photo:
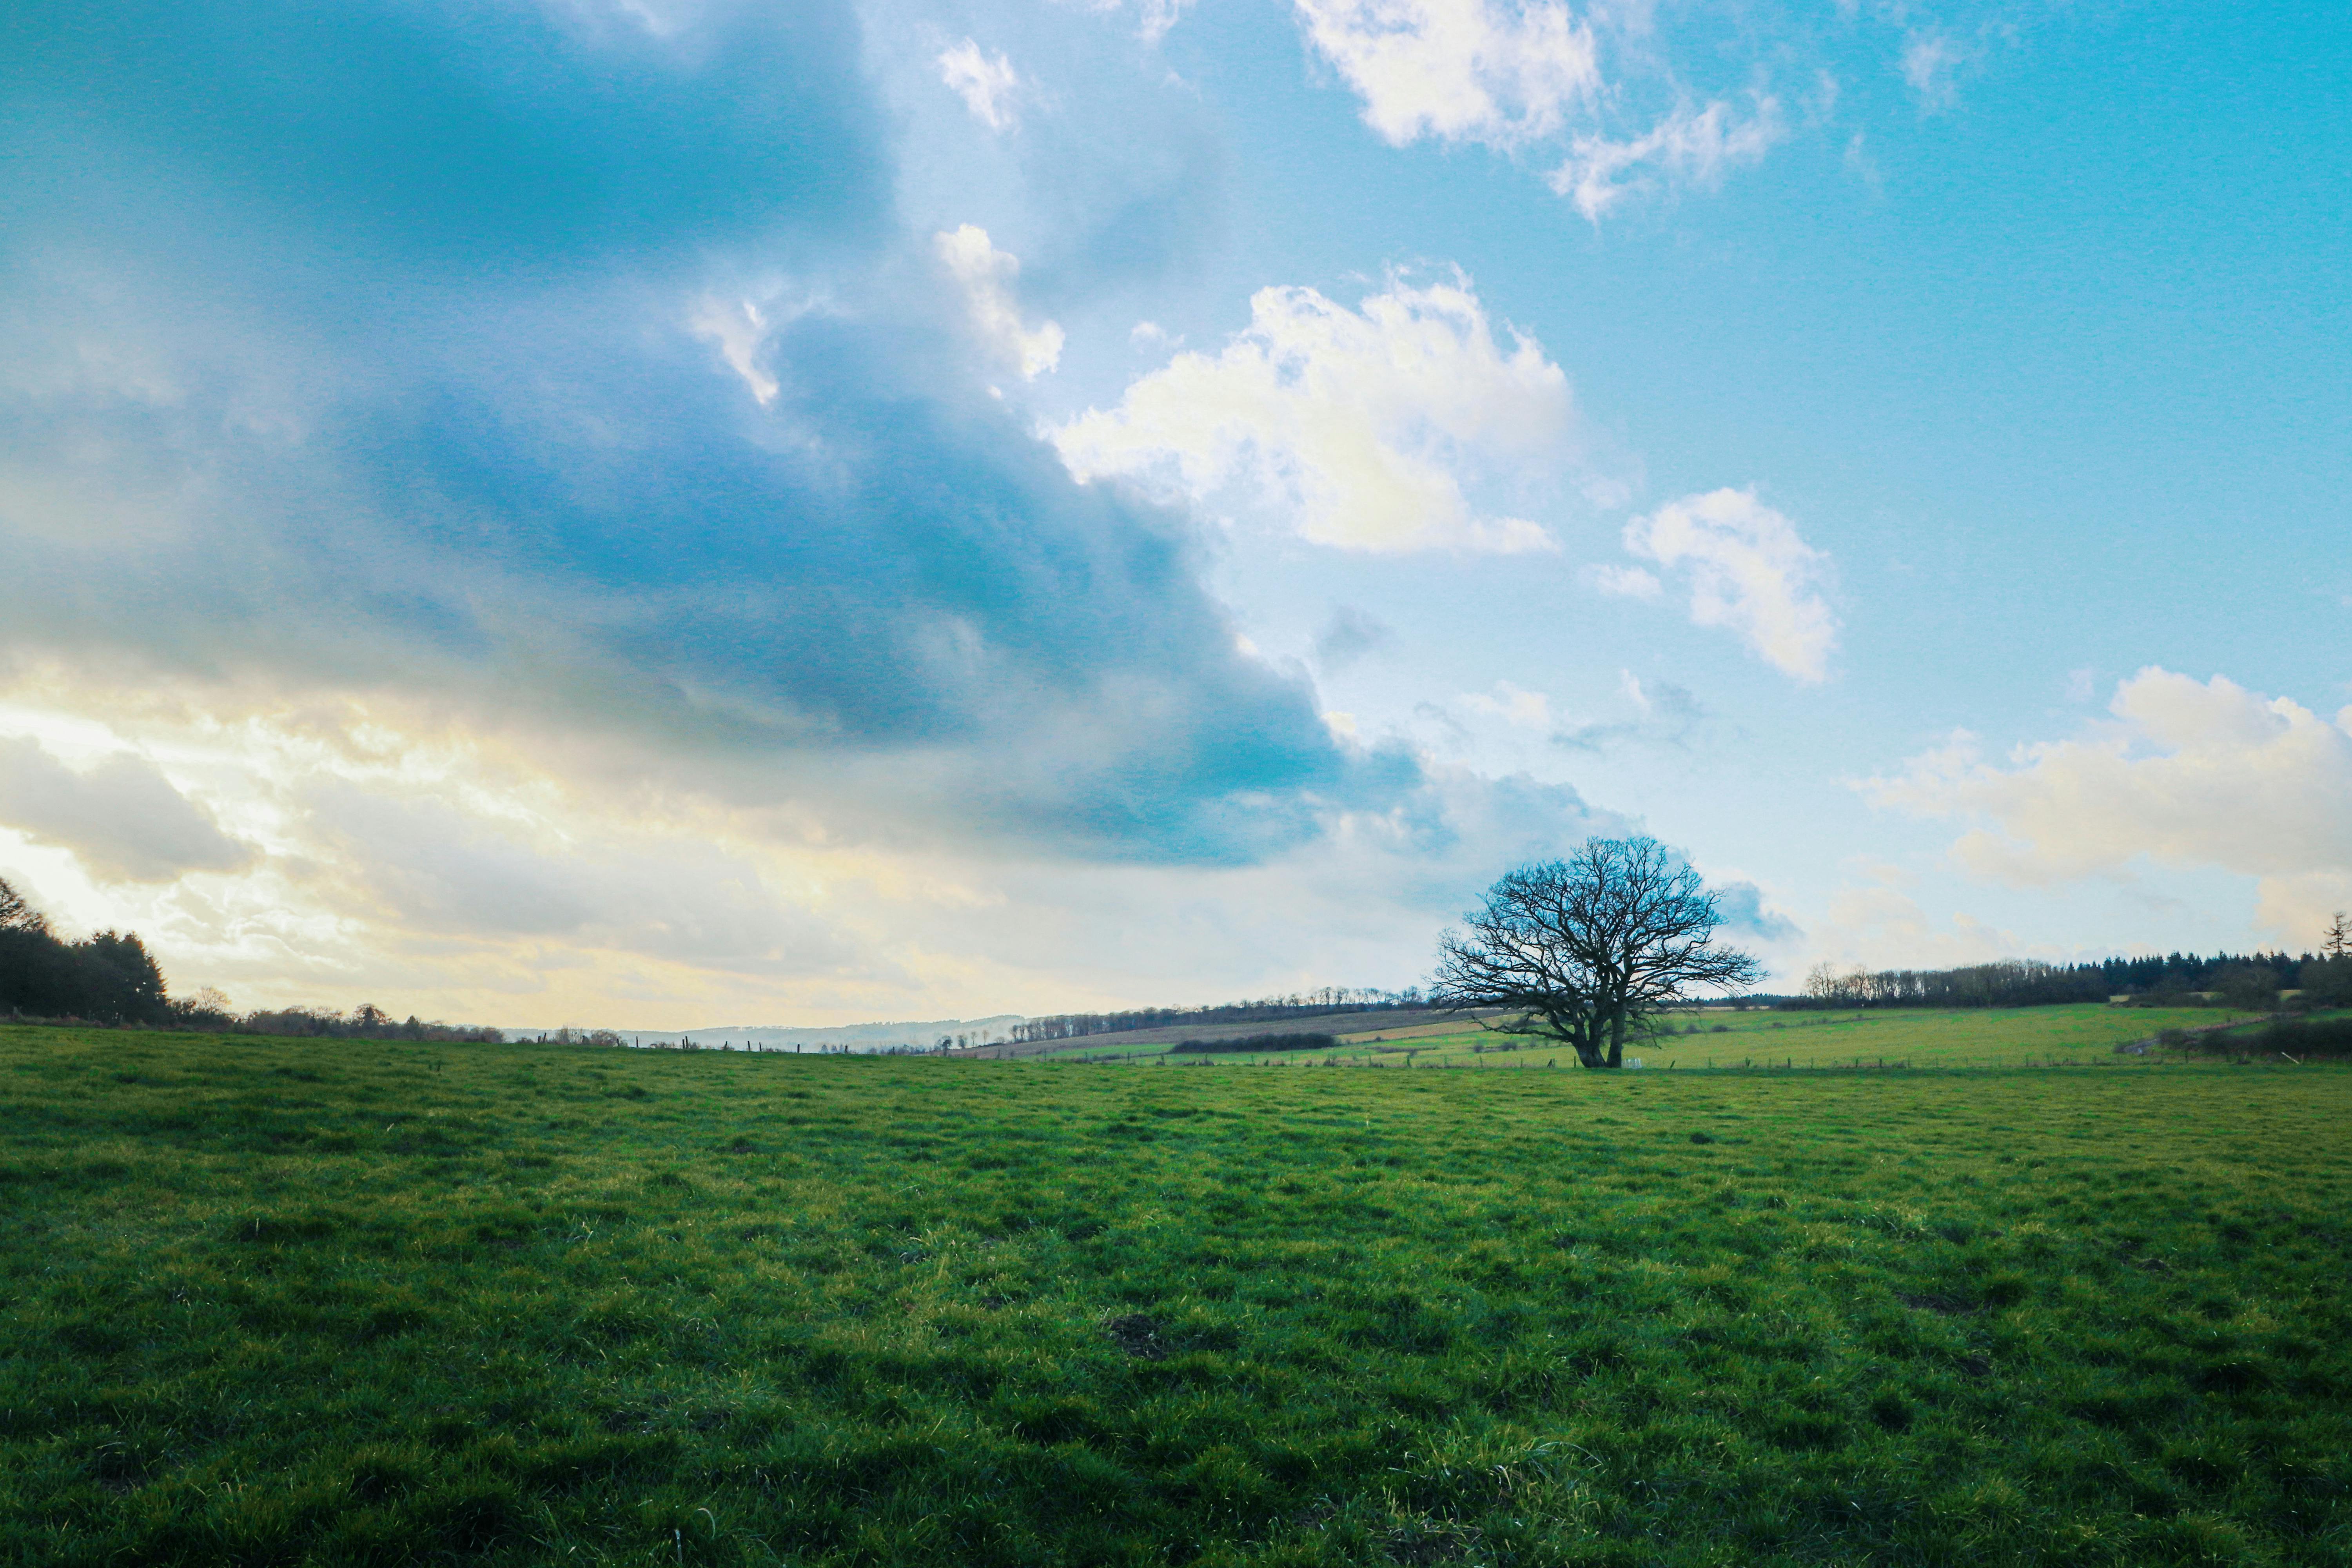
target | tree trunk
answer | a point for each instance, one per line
(1617, 1038)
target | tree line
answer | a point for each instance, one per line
(109, 977)
(2324, 979)
(1255, 1045)
(112, 978)
(366, 1022)
(1301, 1004)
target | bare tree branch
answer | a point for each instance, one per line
(1581, 950)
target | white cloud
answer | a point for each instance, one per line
(1156, 17)
(988, 87)
(1625, 581)
(1360, 426)
(1930, 61)
(1153, 17)
(2187, 774)
(1500, 72)
(1689, 147)
(740, 330)
(1748, 571)
(1516, 74)
(121, 818)
(741, 322)
(987, 275)
(1514, 706)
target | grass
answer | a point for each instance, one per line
(2080, 1035)
(296, 1301)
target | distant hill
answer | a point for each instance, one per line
(857, 1037)
(1388, 1022)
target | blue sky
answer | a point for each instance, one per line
(657, 513)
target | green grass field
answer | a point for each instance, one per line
(290, 1301)
(2079, 1035)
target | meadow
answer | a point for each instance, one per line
(344, 1302)
(2079, 1035)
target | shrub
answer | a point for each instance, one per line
(2306, 1037)
(2301, 1038)
(2328, 982)
(1258, 1042)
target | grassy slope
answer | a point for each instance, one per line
(277, 1301)
(1125, 1042)
(2003, 1037)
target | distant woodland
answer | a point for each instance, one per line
(2252, 981)
(107, 976)
(112, 978)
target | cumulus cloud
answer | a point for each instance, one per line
(2184, 774)
(1688, 147)
(121, 818)
(1500, 72)
(1514, 75)
(1359, 427)
(1748, 571)
(989, 88)
(987, 275)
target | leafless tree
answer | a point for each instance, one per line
(2336, 942)
(1582, 949)
(16, 914)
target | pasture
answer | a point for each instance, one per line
(2080, 1035)
(319, 1301)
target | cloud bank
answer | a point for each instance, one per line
(519, 454)
(499, 448)
(2184, 774)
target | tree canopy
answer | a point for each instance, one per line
(109, 977)
(1583, 950)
